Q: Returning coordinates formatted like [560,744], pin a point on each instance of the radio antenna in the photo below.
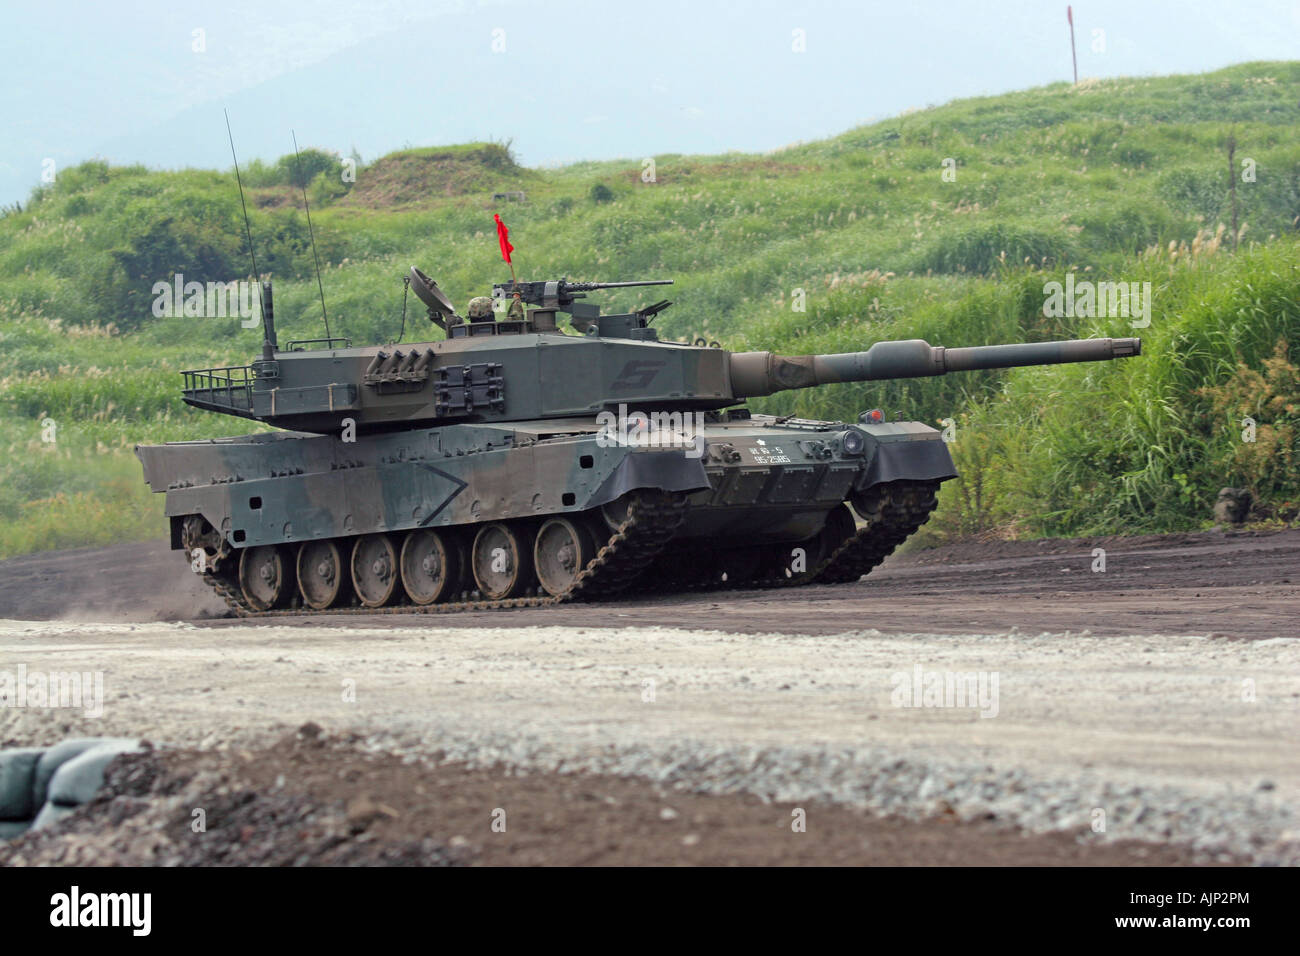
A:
[248,232]
[307,206]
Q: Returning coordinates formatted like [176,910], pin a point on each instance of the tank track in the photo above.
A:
[652,521]
[893,512]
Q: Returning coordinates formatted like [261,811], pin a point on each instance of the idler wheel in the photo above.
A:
[374,569]
[430,567]
[262,577]
[198,534]
[619,511]
[321,574]
[562,550]
[502,561]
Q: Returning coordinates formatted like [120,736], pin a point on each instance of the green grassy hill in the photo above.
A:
[1123,180]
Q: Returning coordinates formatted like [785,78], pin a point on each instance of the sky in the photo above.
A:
[561,80]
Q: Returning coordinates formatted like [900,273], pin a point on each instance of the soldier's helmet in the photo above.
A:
[480,307]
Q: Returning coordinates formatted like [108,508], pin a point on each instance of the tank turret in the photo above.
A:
[499,371]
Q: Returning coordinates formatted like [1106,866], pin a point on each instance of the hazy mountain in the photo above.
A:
[567,80]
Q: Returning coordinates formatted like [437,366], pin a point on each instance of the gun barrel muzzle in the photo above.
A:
[1038,353]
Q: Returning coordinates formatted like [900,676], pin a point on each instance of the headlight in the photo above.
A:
[853,442]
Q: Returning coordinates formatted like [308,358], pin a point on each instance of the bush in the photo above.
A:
[164,247]
[299,170]
[1264,403]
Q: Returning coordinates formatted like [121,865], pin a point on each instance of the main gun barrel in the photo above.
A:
[762,373]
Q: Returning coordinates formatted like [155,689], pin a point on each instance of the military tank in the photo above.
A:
[512,463]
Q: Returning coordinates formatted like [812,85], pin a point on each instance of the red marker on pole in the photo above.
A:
[503,237]
[1069,15]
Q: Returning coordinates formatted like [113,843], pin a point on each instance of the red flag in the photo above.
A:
[1069,15]
[503,237]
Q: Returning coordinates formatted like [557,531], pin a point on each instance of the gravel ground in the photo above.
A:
[316,800]
[1186,740]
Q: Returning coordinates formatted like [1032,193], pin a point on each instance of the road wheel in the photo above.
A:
[321,575]
[502,561]
[262,577]
[430,567]
[374,569]
[562,550]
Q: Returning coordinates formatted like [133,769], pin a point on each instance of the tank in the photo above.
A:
[514,463]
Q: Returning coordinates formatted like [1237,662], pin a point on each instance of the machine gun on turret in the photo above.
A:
[559,294]
[545,299]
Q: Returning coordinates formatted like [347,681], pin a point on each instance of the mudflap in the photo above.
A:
[663,470]
[927,460]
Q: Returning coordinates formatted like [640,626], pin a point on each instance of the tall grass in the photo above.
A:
[1139,445]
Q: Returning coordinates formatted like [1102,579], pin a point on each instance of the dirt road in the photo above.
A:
[1241,585]
[1156,701]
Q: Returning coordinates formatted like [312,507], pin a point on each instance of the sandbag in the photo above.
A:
[51,814]
[17,772]
[76,781]
[56,756]
[13,828]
